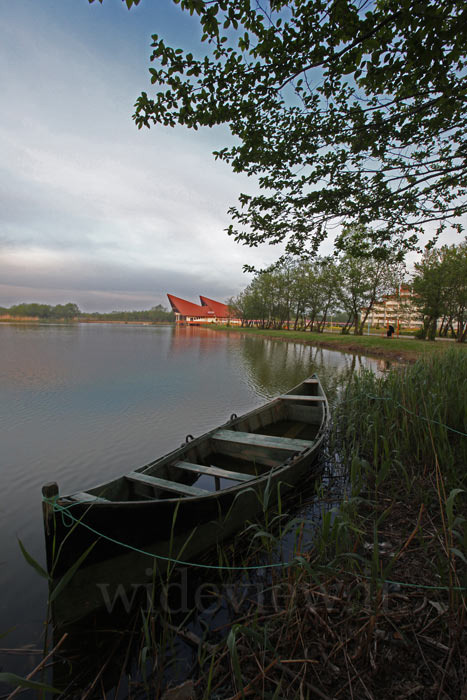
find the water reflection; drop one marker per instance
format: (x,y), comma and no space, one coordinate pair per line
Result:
(274,366)
(82,403)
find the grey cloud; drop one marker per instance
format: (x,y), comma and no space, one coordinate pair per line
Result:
(99,286)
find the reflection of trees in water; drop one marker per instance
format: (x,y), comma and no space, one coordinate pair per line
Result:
(271,366)
(274,366)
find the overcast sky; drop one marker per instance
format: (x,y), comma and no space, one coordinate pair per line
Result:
(92,210)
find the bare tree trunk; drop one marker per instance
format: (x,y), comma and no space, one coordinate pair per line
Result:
(297,317)
(348,325)
(362,323)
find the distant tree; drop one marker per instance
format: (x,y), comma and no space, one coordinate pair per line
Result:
(328,281)
(440,287)
(268,302)
(429,289)
(71,311)
(363,276)
(160,314)
(65,311)
(265,301)
(236,306)
(32,309)
(297,293)
(455,265)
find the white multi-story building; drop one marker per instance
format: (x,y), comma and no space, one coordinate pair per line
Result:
(397,310)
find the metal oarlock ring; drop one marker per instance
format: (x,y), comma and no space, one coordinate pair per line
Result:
(233,416)
(189,438)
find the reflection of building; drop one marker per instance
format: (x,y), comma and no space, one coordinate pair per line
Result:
(209,311)
(395,309)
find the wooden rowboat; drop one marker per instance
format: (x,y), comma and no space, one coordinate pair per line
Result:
(196,495)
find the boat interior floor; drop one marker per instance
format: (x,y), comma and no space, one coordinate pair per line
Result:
(228,457)
(290,429)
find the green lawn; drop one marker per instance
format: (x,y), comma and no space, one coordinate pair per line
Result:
(379,345)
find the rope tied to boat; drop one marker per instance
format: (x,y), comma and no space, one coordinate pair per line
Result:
(298,560)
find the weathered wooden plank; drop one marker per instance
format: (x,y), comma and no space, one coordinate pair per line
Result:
(306,413)
(213,471)
(256,440)
(83,496)
(294,430)
(311,381)
(301,397)
(166,485)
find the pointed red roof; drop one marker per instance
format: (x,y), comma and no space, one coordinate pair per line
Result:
(221,310)
(187,308)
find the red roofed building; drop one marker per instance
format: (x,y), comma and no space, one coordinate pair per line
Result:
(209,311)
(221,310)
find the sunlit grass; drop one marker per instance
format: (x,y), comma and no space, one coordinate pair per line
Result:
(405,346)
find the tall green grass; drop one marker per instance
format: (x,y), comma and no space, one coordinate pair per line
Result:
(405,422)
(401,438)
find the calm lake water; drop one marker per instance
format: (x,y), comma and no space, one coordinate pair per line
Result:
(82,403)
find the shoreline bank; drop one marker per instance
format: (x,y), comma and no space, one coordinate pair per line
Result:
(63,322)
(396,349)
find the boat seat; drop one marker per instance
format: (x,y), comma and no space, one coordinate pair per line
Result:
(311,381)
(166,485)
(254,439)
(83,496)
(214,471)
(301,397)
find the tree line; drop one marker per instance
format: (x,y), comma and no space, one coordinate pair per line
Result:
(440,286)
(65,312)
(71,312)
(304,294)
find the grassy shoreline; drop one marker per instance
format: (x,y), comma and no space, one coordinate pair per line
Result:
(402,348)
(377,606)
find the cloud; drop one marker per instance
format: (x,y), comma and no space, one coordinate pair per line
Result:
(89,205)
(52,277)
(88,202)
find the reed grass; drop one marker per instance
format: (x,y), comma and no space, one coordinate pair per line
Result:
(374,606)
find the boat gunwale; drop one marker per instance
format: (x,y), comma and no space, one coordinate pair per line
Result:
(289,464)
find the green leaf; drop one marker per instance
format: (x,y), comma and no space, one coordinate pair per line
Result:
(450,503)
(232,647)
(459,554)
(32,562)
(15,681)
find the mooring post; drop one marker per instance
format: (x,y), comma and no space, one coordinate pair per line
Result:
(49,493)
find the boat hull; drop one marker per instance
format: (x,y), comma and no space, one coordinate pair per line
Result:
(180,529)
